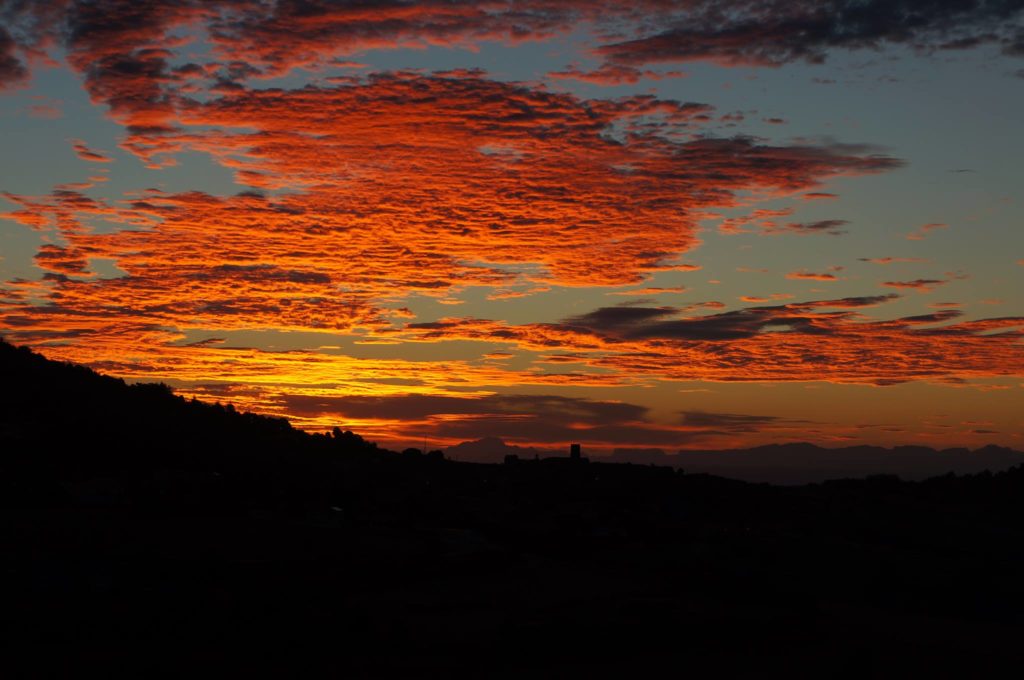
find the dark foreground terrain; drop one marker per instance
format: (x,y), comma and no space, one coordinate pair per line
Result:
(149,536)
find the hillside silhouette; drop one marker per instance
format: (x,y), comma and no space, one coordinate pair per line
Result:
(152,536)
(76,433)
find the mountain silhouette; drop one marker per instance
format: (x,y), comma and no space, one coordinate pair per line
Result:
(795,463)
(803,463)
(494,450)
(155,536)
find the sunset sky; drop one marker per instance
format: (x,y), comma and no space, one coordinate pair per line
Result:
(657,223)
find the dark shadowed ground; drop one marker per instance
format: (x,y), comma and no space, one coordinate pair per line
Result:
(148,536)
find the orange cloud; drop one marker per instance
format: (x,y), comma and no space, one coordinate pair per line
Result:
(58,259)
(892,260)
(125,49)
(804,275)
(925,229)
(650,290)
(406,184)
(795,341)
(766,223)
(12,71)
(920,285)
(749,33)
(87,154)
(611,75)
(762,298)
(46,111)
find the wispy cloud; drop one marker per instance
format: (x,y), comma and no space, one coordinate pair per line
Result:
(87,154)
(804,275)
(924,230)
(794,341)
(893,260)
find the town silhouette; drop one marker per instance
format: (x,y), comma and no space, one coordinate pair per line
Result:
(149,535)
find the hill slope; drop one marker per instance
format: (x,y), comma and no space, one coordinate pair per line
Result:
(157,536)
(68,432)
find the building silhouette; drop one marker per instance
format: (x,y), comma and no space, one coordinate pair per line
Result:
(575,456)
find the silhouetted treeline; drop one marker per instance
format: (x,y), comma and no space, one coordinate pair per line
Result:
(161,537)
(140,443)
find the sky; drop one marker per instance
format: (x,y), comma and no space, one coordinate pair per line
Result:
(684,224)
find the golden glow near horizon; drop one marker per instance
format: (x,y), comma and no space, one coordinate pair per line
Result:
(444,222)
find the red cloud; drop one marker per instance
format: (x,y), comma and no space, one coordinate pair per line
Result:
(892,260)
(87,154)
(123,48)
(12,71)
(923,231)
(762,298)
(811,276)
(62,260)
(610,75)
(650,290)
(402,184)
(920,285)
(748,32)
(766,223)
(796,341)
(45,111)
(407,184)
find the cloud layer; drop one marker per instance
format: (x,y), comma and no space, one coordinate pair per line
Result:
(796,341)
(124,47)
(360,194)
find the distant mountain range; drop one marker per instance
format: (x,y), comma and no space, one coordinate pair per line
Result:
(801,463)
(796,463)
(494,450)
